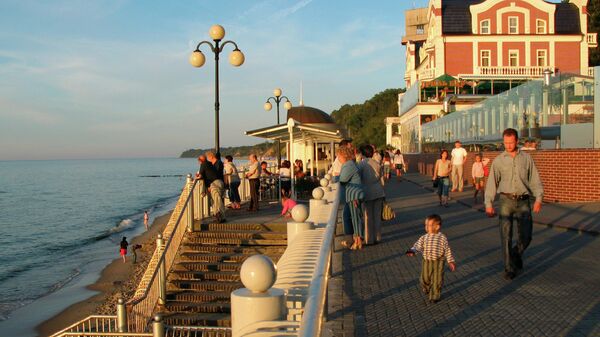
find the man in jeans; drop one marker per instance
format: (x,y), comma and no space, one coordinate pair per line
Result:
(459,157)
(253,176)
(514,176)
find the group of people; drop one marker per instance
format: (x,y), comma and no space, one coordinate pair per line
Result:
(514,177)
(361,173)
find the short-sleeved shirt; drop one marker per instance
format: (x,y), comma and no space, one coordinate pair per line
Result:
(231,172)
(254,170)
(458,155)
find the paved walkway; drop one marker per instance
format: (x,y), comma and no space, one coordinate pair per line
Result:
(375,292)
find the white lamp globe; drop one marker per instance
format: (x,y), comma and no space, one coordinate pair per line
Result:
(197,59)
(217,32)
(287,105)
(236,58)
(258,273)
(268,106)
(277,92)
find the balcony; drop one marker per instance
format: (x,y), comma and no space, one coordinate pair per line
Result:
(591,39)
(506,72)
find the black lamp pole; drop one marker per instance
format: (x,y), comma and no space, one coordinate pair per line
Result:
(277,100)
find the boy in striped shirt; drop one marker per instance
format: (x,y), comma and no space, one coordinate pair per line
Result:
(435,249)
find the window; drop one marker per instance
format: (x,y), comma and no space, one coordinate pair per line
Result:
(420,29)
(513,58)
(485,27)
(541,58)
(540,26)
(513,25)
(485,58)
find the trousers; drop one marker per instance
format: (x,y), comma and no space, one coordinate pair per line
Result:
(432,277)
(457,177)
(254,190)
(518,213)
(217,189)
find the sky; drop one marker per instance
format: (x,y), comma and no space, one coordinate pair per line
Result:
(111,79)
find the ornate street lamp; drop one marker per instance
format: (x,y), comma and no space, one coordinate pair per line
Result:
(277,98)
(197,59)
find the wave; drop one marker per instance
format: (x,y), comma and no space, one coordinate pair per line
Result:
(121,226)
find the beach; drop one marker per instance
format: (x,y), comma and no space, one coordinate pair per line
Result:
(118,279)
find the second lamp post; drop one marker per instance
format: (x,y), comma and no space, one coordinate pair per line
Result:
(197,59)
(277,98)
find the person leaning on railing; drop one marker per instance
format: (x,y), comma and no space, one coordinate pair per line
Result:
(232,180)
(253,176)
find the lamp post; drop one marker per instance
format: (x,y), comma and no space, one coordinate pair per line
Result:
(197,59)
(277,98)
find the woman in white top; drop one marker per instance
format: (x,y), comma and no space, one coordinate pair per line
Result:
(285,175)
(232,180)
(399,164)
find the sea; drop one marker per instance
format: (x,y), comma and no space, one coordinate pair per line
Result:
(61,222)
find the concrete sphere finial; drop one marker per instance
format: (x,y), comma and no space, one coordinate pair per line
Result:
(300,213)
(328,176)
(324,182)
(318,193)
(258,273)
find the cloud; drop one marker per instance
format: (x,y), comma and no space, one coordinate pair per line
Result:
(293,9)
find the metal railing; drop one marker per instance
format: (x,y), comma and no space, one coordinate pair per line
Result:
(525,72)
(94,323)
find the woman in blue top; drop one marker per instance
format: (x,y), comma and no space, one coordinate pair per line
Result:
(352,193)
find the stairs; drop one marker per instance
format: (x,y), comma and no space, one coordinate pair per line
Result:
(207,270)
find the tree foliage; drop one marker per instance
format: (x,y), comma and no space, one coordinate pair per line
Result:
(365,122)
(593,9)
(262,149)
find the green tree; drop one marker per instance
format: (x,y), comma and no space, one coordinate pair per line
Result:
(364,122)
(593,9)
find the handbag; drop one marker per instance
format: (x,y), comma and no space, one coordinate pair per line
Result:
(436,182)
(387,213)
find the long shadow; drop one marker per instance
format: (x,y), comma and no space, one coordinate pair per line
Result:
(587,322)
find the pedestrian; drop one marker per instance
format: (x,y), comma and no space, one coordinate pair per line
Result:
(123,250)
(253,176)
(285,175)
(134,252)
(387,165)
(213,183)
(370,175)
(264,171)
(436,251)
(459,157)
(287,202)
(353,196)
(399,164)
(478,172)
(217,186)
(376,155)
(146,218)
(232,181)
(336,167)
(441,172)
(514,176)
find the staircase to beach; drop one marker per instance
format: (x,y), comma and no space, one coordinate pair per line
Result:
(207,270)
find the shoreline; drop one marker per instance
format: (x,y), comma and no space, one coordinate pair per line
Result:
(116,279)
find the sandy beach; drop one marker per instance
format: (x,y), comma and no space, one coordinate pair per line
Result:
(118,279)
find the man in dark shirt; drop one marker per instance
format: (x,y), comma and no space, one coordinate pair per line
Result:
(216,187)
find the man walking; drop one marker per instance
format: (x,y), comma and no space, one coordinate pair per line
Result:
(459,157)
(253,176)
(514,176)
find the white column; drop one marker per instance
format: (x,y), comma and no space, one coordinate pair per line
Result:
(597,107)
(332,152)
(311,149)
(388,133)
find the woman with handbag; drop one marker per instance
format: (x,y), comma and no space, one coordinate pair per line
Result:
(441,173)
(370,176)
(353,195)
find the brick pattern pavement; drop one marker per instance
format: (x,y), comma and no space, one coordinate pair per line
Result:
(375,292)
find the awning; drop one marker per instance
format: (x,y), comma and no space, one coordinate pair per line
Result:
(323,133)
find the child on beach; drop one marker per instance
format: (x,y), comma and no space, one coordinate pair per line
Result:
(287,202)
(134,252)
(478,173)
(435,249)
(123,250)
(146,218)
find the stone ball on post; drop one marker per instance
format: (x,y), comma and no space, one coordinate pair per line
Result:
(324,182)
(318,193)
(300,213)
(258,273)
(328,176)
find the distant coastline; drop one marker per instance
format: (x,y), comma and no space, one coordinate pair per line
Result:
(263,149)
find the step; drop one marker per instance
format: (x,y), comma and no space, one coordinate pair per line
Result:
(195,236)
(208,276)
(249,250)
(198,296)
(207,266)
(222,257)
(237,242)
(200,285)
(273,227)
(198,307)
(196,319)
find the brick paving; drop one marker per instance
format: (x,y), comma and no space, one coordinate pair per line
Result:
(375,292)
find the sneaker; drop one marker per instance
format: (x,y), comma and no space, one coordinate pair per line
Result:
(509,275)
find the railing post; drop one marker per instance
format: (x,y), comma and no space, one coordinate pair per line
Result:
(198,200)
(158,328)
(190,205)
(121,315)
(162,273)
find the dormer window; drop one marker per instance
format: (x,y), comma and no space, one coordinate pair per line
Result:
(513,25)
(420,29)
(485,27)
(540,26)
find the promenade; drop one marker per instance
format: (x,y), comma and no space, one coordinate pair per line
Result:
(375,292)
